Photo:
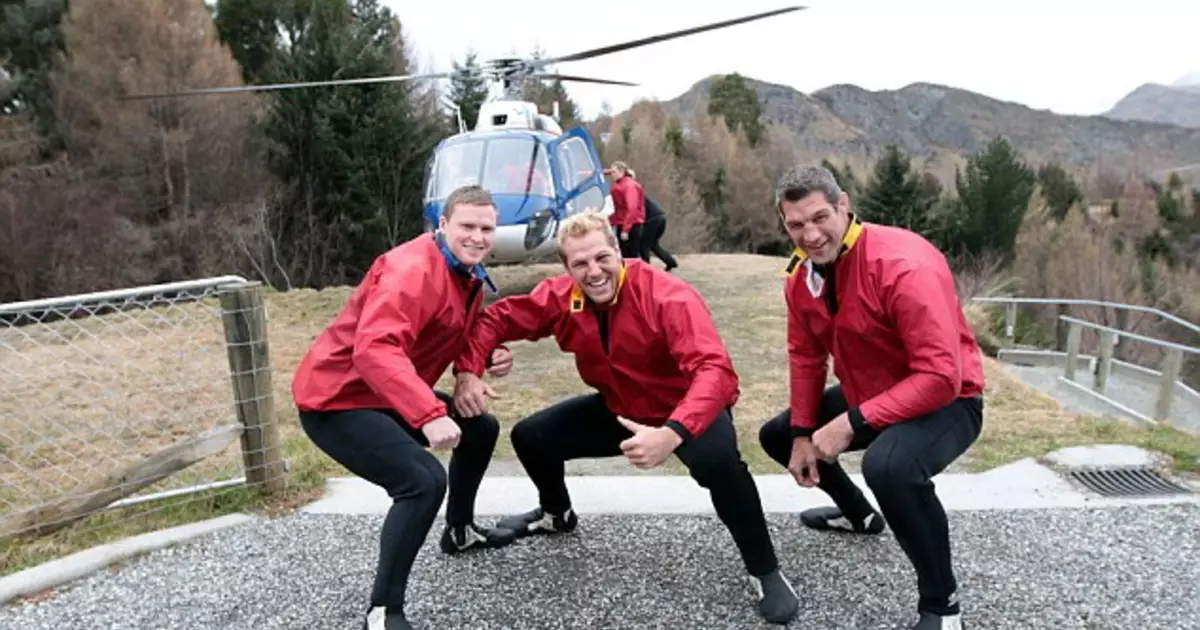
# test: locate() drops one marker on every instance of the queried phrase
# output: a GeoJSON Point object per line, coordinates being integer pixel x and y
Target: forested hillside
{"type": "Point", "coordinates": [303, 188]}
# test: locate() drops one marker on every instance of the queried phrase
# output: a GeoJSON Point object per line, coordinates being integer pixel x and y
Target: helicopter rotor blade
{"type": "Point", "coordinates": [605, 50]}
{"type": "Point", "coordinates": [287, 86]}
{"type": "Point", "coordinates": [578, 79]}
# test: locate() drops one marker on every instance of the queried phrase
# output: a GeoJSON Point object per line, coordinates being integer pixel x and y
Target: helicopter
{"type": "Point", "coordinates": [537, 173]}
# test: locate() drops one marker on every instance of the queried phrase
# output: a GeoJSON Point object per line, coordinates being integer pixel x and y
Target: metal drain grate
{"type": "Point", "coordinates": [1127, 482]}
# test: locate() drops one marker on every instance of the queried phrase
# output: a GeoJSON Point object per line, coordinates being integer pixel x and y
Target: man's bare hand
{"type": "Point", "coordinates": [649, 446]}
{"type": "Point", "coordinates": [443, 433]}
{"type": "Point", "coordinates": [803, 463]}
{"type": "Point", "coordinates": [471, 394]}
{"type": "Point", "coordinates": [502, 362]}
{"type": "Point", "coordinates": [834, 438]}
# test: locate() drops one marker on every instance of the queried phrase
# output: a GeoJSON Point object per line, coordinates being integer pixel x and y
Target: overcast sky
{"type": "Point", "coordinates": [1069, 56]}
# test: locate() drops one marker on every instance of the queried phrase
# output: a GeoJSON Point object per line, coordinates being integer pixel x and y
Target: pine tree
{"type": "Point", "coordinates": [352, 158]}
{"type": "Point", "coordinates": [1059, 189]}
{"type": "Point", "coordinates": [993, 196]}
{"type": "Point", "coordinates": [31, 38]}
{"type": "Point", "coordinates": [737, 103]}
{"type": "Point", "coordinates": [468, 89]}
{"type": "Point", "coordinates": [897, 194]}
{"type": "Point", "coordinates": [251, 30]}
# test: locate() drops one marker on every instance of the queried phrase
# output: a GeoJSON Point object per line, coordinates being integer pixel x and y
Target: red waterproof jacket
{"type": "Point", "coordinates": [629, 204]}
{"type": "Point", "coordinates": [654, 353]}
{"type": "Point", "coordinates": [403, 326]}
{"type": "Point", "coordinates": [900, 343]}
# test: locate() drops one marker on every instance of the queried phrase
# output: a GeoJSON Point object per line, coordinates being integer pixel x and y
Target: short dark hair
{"type": "Point", "coordinates": [802, 181]}
{"type": "Point", "coordinates": [472, 195]}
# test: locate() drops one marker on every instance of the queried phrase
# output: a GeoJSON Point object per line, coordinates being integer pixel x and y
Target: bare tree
{"type": "Point", "coordinates": [185, 164]}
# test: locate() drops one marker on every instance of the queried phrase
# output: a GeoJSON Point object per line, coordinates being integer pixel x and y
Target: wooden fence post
{"type": "Point", "coordinates": [1171, 365]}
{"type": "Point", "coordinates": [244, 317]}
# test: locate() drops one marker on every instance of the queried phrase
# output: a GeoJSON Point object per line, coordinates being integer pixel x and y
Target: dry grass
{"type": "Point", "coordinates": [106, 390]}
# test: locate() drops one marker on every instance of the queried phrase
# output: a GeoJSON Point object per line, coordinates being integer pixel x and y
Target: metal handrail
{"type": "Point", "coordinates": [1116, 305]}
{"type": "Point", "coordinates": [1131, 335]}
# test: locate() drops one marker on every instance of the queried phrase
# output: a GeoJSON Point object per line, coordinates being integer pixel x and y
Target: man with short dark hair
{"type": "Point", "coordinates": [365, 393]}
{"type": "Point", "coordinates": [665, 385]}
{"type": "Point", "coordinates": [881, 301]}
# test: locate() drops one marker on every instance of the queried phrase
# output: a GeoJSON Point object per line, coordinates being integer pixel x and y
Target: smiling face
{"type": "Point", "coordinates": [815, 225]}
{"type": "Point", "coordinates": [470, 230]}
{"type": "Point", "coordinates": [594, 261]}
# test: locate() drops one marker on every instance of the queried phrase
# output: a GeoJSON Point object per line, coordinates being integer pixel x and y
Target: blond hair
{"type": "Point", "coordinates": [624, 168]}
{"type": "Point", "coordinates": [582, 224]}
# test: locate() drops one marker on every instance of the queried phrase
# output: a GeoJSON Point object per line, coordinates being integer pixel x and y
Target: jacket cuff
{"type": "Point", "coordinates": [802, 432]}
{"type": "Point", "coordinates": [859, 423]}
{"type": "Point", "coordinates": [683, 432]}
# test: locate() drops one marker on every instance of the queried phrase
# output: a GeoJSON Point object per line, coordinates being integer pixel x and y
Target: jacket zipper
{"type": "Point", "coordinates": [602, 321]}
{"type": "Point", "coordinates": [471, 298]}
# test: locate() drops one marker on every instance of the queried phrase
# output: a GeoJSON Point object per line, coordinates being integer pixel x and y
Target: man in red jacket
{"type": "Point", "coordinates": [645, 340]}
{"type": "Point", "coordinates": [881, 300]}
{"type": "Point", "coordinates": [365, 393]}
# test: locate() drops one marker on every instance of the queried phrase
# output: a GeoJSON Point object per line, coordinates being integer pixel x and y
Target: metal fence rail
{"type": "Point", "coordinates": [118, 398]}
{"type": "Point", "coordinates": [1168, 372]}
{"type": "Point", "coordinates": [1166, 377]}
{"type": "Point", "coordinates": [1010, 313]}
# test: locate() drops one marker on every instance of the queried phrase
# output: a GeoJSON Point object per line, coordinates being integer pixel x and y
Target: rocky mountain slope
{"type": "Point", "coordinates": [1176, 104]}
{"type": "Point", "coordinates": [846, 122]}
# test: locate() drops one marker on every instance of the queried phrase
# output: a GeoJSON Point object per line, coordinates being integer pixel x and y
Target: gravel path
{"type": "Point", "coordinates": [1099, 569]}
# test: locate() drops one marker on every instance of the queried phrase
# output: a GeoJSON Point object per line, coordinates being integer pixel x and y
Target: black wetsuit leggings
{"type": "Point", "coordinates": [897, 467]}
{"type": "Point", "coordinates": [584, 427]}
{"type": "Point", "coordinates": [380, 447]}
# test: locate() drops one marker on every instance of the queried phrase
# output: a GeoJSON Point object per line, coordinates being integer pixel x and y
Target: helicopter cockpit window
{"type": "Point", "coordinates": [576, 162]}
{"type": "Point", "coordinates": [517, 166]}
{"type": "Point", "coordinates": [458, 165]}
{"type": "Point", "coordinates": [512, 166]}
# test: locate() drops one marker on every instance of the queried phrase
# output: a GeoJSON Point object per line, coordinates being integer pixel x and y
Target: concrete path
{"type": "Point", "coordinates": [1139, 395]}
{"type": "Point", "coordinates": [1031, 552]}
{"type": "Point", "coordinates": [1021, 485]}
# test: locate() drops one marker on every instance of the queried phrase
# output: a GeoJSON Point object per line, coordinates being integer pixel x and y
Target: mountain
{"type": "Point", "coordinates": [1175, 104]}
{"type": "Point", "coordinates": [1192, 78]}
{"type": "Point", "coordinates": [846, 122]}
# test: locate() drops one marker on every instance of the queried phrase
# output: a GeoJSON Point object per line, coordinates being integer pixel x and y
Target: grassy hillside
{"type": "Point", "coordinates": [82, 435]}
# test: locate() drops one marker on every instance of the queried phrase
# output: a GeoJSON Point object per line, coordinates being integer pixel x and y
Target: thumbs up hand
{"type": "Point", "coordinates": [649, 446]}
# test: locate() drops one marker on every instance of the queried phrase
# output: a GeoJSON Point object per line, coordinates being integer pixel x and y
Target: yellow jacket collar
{"type": "Point", "coordinates": [853, 233]}
{"type": "Point", "coordinates": [578, 299]}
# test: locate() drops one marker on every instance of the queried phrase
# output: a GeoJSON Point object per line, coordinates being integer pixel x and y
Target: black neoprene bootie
{"type": "Point", "coordinates": [930, 621]}
{"type": "Point", "coordinates": [467, 537]}
{"type": "Point", "coordinates": [831, 518]}
{"type": "Point", "coordinates": [777, 600]}
{"type": "Point", "coordinates": [539, 521]}
{"type": "Point", "coordinates": [379, 618]}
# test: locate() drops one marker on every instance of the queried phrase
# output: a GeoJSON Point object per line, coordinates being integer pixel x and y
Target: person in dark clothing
{"type": "Point", "coordinates": [652, 232]}
{"type": "Point", "coordinates": [882, 302]}
{"type": "Point", "coordinates": [645, 340]}
{"type": "Point", "coordinates": [365, 397]}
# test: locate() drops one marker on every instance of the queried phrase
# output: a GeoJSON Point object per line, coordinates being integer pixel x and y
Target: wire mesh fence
{"type": "Point", "coordinates": [140, 399]}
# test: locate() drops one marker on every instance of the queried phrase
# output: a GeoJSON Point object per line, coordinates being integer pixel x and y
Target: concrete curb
{"type": "Point", "coordinates": [1024, 484]}
{"type": "Point", "coordinates": [78, 565]}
